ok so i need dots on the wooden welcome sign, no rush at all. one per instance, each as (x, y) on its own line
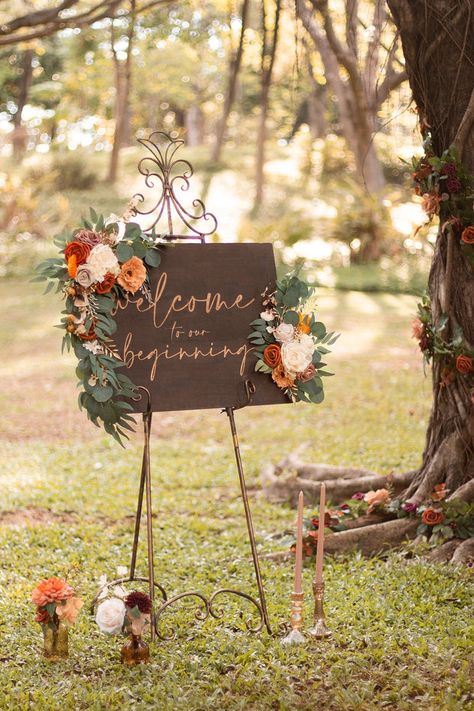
(188, 345)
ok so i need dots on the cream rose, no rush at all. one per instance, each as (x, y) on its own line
(284, 332)
(295, 357)
(110, 615)
(102, 260)
(306, 343)
(267, 315)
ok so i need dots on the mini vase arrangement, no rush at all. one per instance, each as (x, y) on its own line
(56, 609)
(129, 614)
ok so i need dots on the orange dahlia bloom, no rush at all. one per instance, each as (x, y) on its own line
(51, 590)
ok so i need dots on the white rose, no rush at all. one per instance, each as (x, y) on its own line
(284, 332)
(267, 315)
(295, 357)
(110, 615)
(101, 261)
(307, 343)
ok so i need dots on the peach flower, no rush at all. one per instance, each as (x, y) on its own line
(281, 378)
(132, 275)
(430, 203)
(376, 498)
(69, 610)
(51, 590)
(417, 329)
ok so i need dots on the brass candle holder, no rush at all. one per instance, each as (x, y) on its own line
(296, 620)
(319, 630)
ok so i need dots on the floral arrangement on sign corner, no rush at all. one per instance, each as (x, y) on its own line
(289, 343)
(102, 261)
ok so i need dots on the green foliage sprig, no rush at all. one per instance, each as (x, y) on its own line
(87, 317)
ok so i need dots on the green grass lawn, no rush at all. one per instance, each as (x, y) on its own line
(402, 627)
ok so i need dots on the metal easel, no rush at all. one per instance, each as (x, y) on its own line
(163, 168)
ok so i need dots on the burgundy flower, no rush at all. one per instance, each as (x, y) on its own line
(410, 507)
(358, 496)
(140, 600)
(449, 169)
(453, 184)
(345, 508)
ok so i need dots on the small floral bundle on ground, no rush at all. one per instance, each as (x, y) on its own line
(446, 189)
(127, 613)
(457, 357)
(439, 519)
(102, 261)
(289, 343)
(55, 603)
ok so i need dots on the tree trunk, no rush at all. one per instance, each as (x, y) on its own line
(19, 133)
(234, 68)
(123, 77)
(438, 44)
(268, 60)
(194, 121)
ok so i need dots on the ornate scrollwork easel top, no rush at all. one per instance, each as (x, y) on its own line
(168, 174)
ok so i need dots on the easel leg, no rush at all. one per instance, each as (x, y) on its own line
(138, 516)
(149, 516)
(248, 517)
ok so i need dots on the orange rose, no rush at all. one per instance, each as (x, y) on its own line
(464, 364)
(468, 235)
(272, 355)
(77, 249)
(281, 378)
(51, 590)
(106, 284)
(132, 275)
(431, 517)
(69, 610)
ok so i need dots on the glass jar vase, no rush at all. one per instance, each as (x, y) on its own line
(55, 642)
(135, 651)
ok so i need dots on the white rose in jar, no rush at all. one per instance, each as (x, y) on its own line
(284, 332)
(110, 616)
(295, 357)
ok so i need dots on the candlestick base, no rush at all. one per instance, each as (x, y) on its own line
(319, 629)
(296, 620)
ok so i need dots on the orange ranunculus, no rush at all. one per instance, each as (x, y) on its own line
(468, 235)
(304, 323)
(72, 266)
(69, 610)
(376, 498)
(77, 249)
(464, 364)
(281, 378)
(51, 590)
(272, 355)
(132, 274)
(431, 517)
(106, 284)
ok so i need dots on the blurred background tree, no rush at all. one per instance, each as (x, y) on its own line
(296, 122)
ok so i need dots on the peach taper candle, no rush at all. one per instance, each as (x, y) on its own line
(319, 629)
(296, 618)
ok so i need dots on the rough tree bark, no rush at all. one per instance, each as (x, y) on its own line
(123, 80)
(234, 68)
(438, 44)
(268, 60)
